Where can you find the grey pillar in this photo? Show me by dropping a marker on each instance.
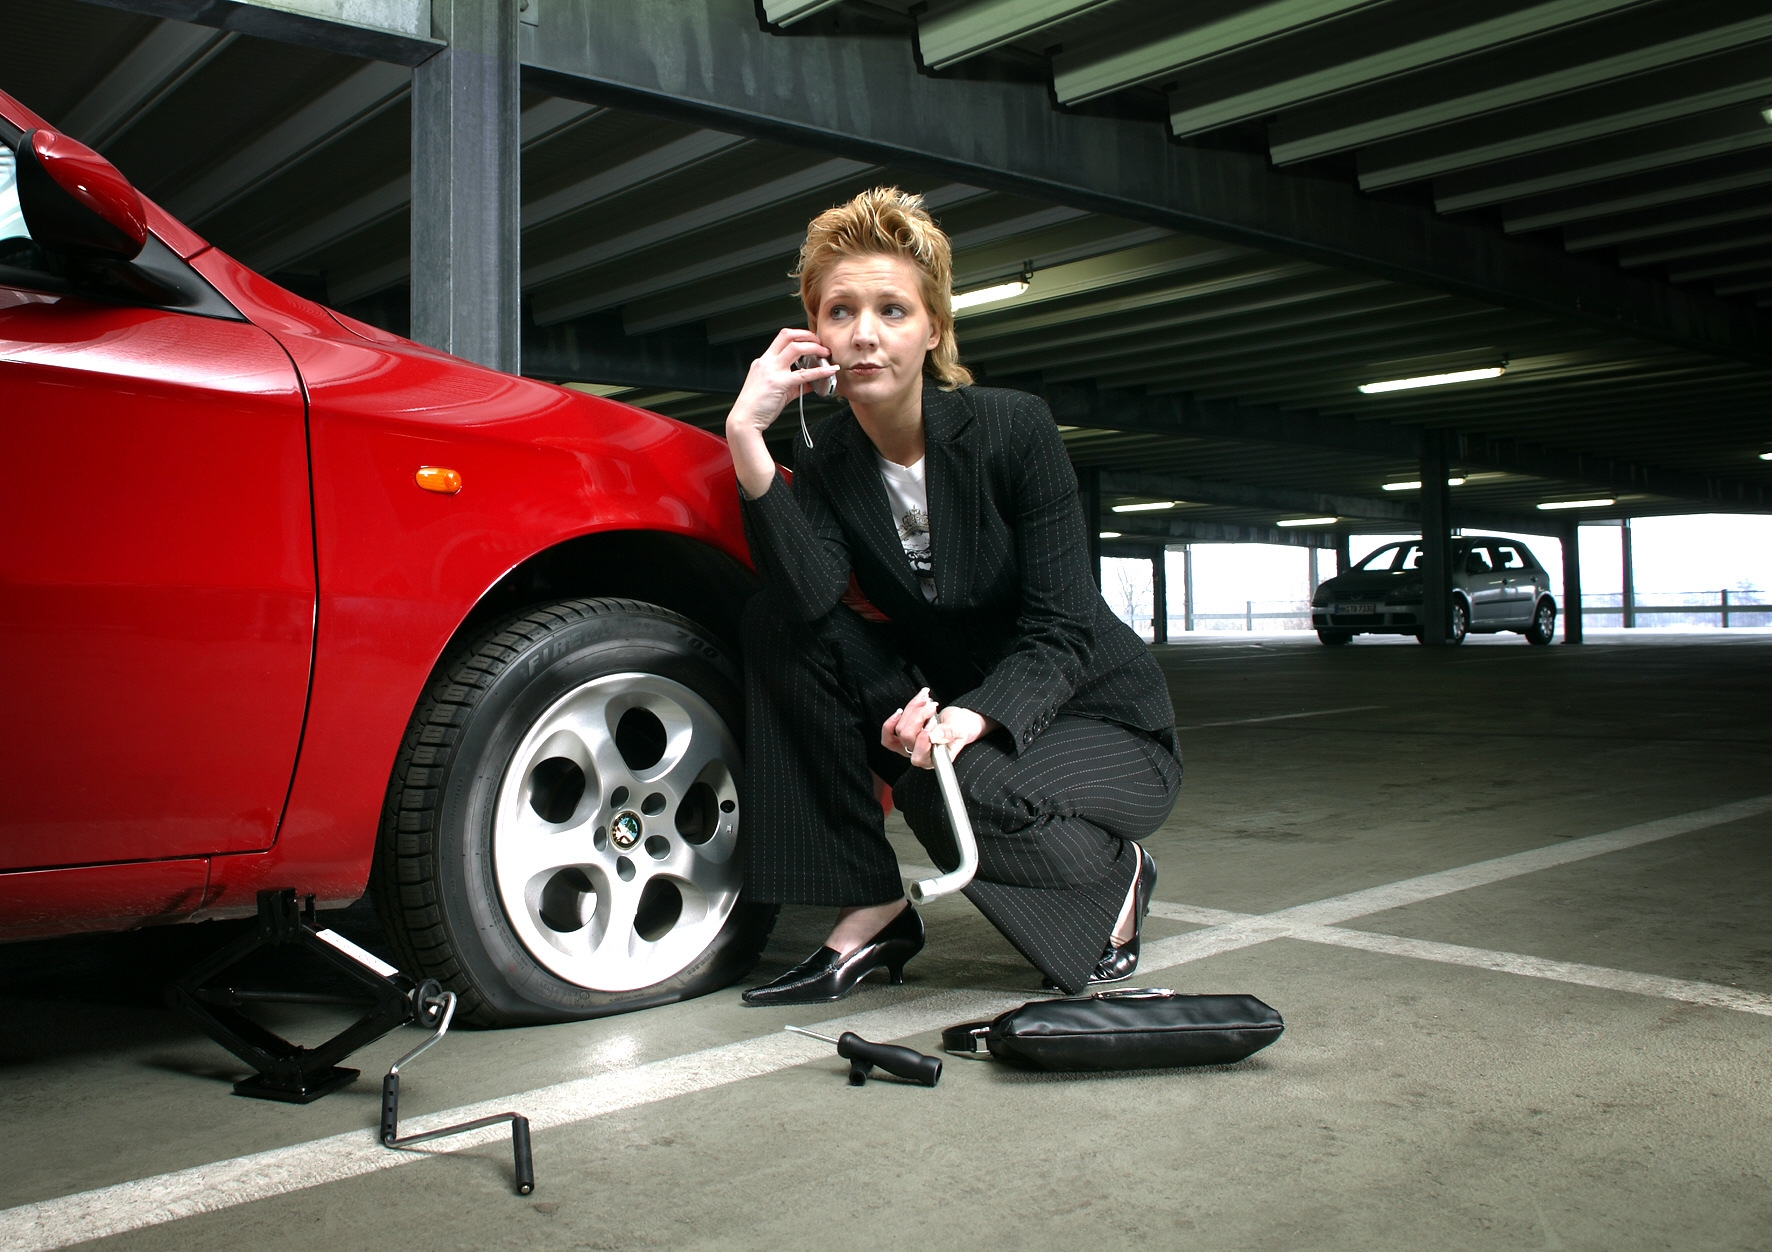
(1187, 586)
(1091, 495)
(1572, 615)
(1160, 596)
(1344, 554)
(1436, 577)
(466, 185)
(1630, 575)
(1311, 571)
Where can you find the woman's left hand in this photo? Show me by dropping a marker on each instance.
(954, 726)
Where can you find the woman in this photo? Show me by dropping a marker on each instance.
(953, 510)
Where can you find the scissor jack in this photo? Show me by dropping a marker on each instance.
(288, 1071)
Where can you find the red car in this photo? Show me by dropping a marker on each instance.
(288, 601)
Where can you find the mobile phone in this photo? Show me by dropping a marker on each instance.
(826, 387)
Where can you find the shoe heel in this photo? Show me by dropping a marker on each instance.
(895, 977)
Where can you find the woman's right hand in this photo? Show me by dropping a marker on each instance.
(768, 388)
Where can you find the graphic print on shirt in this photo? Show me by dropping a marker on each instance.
(913, 533)
(908, 497)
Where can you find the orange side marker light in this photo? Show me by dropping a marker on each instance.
(445, 482)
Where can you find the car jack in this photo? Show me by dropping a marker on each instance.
(284, 1070)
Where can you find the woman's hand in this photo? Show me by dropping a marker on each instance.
(913, 729)
(768, 388)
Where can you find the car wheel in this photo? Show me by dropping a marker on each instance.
(1335, 638)
(1458, 623)
(1544, 623)
(560, 837)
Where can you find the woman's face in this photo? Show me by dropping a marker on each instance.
(871, 317)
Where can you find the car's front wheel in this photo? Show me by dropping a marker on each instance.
(1458, 622)
(1335, 638)
(1544, 623)
(560, 838)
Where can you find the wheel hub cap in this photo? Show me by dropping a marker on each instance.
(615, 829)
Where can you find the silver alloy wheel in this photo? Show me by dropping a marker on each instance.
(614, 832)
(1546, 619)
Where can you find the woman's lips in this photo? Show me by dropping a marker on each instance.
(865, 370)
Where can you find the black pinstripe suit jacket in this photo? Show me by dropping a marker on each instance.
(1018, 630)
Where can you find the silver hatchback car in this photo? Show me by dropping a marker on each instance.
(1497, 585)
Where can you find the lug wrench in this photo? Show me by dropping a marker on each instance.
(863, 1056)
(442, 1006)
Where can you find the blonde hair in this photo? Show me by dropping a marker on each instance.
(888, 222)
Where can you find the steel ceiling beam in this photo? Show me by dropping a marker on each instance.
(968, 30)
(661, 162)
(147, 74)
(1107, 409)
(1753, 205)
(1689, 90)
(865, 99)
(1651, 190)
(336, 112)
(1563, 65)
(1186, 530)
(1651, 149)
(1211, 102)
(1344, 508)
(1125, 58)
(540, 123)
(403, 40)
(802, 182)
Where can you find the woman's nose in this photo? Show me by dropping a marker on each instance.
(867, 329)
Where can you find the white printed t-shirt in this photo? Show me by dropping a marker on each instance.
(909, 498)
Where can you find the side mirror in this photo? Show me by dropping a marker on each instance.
(74, 200)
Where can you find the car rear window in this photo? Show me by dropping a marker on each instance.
(1507, 556)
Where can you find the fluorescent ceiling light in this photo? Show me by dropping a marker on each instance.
(1432, 380)
(1767, 115)
(1766, 456)
(1110, 534)
(1306, 521)
(1416, 486)
(1576, 504)
(990, 295)
(1153, 507)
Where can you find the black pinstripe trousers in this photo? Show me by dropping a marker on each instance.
(1053, 824)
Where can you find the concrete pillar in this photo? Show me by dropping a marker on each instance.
(1344, 555)
(1187, 586)
(1630, 575)
(1091, 496)
(1572, 615)
(1311, 572)
(466, 185)
(1160, 596)
(1436, 575)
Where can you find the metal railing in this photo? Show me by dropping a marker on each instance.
(1696, 608)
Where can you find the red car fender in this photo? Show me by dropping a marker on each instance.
(400, 567)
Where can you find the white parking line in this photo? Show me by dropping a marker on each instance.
(1283, 717)
(70, 1219)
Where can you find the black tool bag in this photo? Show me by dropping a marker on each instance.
(1150, 1029)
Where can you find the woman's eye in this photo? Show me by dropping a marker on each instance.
(838, 312)
(893, 310)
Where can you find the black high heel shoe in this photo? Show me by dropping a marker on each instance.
(1119, 963)
(825, 976)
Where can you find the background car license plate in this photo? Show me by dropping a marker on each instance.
(1356, 608)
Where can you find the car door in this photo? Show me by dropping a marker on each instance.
(157, 584)
(1519, 591)
(1483, 586)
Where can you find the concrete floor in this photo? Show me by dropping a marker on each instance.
(1415, 1101)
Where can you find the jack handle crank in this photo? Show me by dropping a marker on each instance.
(432, 1004)
(929, 888)
(863, 1056)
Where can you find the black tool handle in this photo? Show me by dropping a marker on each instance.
(902, 1062)
(390, 1108)
(520, 1151)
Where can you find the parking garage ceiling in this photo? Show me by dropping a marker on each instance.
(1349, 191)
